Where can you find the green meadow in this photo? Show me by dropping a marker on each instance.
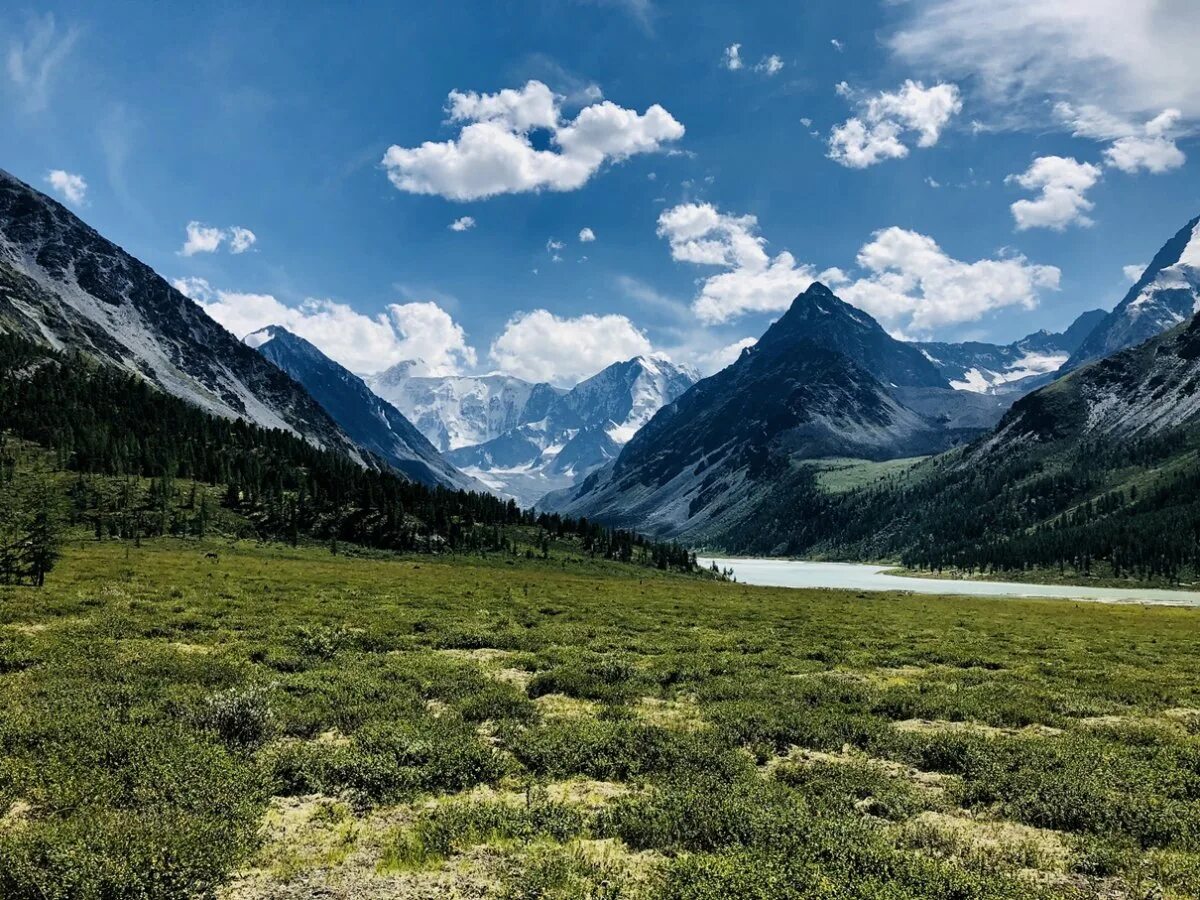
(216, 719)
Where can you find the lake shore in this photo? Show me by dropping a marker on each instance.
(784, 573)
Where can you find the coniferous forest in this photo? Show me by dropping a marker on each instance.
(99, 423)
(1131, 506)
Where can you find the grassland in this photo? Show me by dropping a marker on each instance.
(840, 475)
(286, 723)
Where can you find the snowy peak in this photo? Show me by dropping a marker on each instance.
(626, 395)
(462, 410)
(578, 431)
(1167, 294)
(1009, 369)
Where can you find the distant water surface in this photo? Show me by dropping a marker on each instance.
(791, 573)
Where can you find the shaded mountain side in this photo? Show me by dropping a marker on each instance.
(1102, 467)
(372, 423)
(65, 286)
(706, 460)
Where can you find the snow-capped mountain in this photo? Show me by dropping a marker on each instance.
(582, 430)
(1015, 368)
(64, 284)
(825, 380)
(460, 411)
(371, 422)
(1167, 294)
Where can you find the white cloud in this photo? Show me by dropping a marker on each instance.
(407, 331)
(907, 280)
(1150, 146)
(586, 235)
(203, 238)
(732, 57)
(837, 45)
(912, 283)
(465, 223)
(1130, 57)
(1062, 181)
(699, 233)
(857, 145)
(770, 64)
(1154, 154)
(428, 334)
(1134, 272)
(32, 63)
(494, 152)
(73, 188)
(240, 239)
(875, 133)
(541, 346)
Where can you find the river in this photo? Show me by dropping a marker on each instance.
(792, 573)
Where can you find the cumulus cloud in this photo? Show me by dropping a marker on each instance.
(771, 65)
(1062, 183)
(732, 57)
(1150, 147)
(406, 331)
(755, 281)
(1134, 272)
(465, 223)
(32, 63)
(240, 239)
(494, 152)
(1153, 149)
(71, 187)
(906, 280)
(911, 283)
(203, 238)
(586, 235)
(1130, 57)
(875, 134)
(541, 346)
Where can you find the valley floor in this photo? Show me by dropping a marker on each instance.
(184, 719)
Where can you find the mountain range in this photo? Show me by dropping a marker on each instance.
(580, 430)
(825, 380)
(1096, 456)
(456, 411)
(1015, 368)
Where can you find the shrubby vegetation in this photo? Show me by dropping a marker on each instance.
(578, 729)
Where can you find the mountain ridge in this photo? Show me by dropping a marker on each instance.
(65, 285)
(368, 420)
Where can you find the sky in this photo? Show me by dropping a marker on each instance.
(546, 187)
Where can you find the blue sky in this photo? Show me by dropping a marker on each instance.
(959, 168)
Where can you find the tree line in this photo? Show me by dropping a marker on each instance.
(131, 445)
(1068, 505)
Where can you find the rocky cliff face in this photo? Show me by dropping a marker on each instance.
(63, 284)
